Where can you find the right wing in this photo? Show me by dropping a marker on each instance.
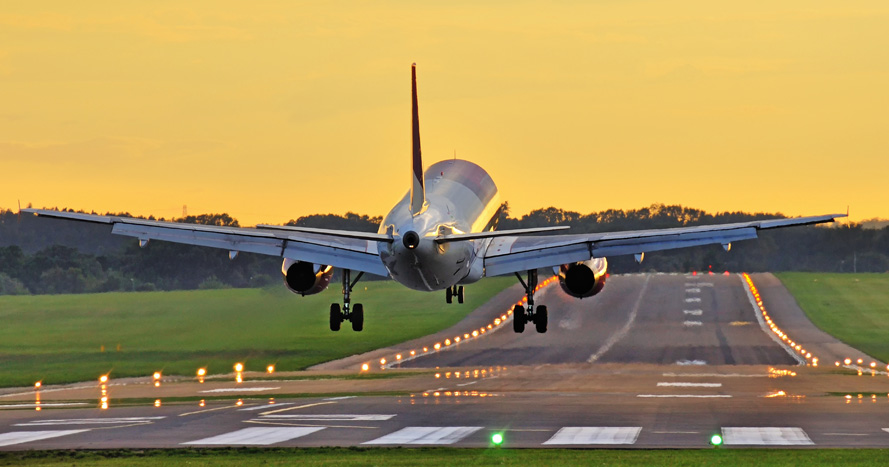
(341, 249)
(512, 254)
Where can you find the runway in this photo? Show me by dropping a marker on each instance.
(655, 361)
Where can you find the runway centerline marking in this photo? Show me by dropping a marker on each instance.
(711, 375)
(772, 436)
(19, 437)
(298, 407)
(693, 290)
(426, 435)
(237, 390)
(691, 385)
(693, 312)
(586, 435)
(210, 410)
(667, 432)
(264, 422)
(691, 362)
(685, 396)
(693, 300)
(623, 331)
(692, 323)
(257, 436)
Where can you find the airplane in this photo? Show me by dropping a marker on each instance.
(440, 236)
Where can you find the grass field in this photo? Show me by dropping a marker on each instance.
(449, 457)
(67, 338)
(851, 307)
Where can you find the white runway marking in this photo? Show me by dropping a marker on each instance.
(691, 362)
(693, 312)
(19, 437)
(91, 421)
(712, 375)
(692, 323)
(42, 404)
(693, 300)
(257, 436)
(692, 385)
(771, 436)
(685, 396)
(886, 430)
(595, 435)
(693, 290)
(341, 398)
(332, 417)
(426, 435)
(267, 406)
(699, 284)
(623, 331)
(238, 390)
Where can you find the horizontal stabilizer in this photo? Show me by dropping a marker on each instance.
(498, 233)
(333, 233)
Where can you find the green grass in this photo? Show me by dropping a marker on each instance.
(851, 307)
(68, 338)
(449, 457)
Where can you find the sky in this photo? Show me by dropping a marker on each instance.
(274, 110)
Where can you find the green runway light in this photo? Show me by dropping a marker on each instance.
(716, 440)
(497, 439)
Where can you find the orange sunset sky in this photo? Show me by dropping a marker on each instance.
(273, 110)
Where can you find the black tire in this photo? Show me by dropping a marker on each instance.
(449, 295)
(336, 317)
(518, 319)
(357, 317)
(540, 319)
(460, 294)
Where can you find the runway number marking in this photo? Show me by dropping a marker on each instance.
(19, 437)
(691, 385)
(426, 435)
(771, 436)
(257, 436)
(587, 435)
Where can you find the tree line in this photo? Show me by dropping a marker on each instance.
(55, 256)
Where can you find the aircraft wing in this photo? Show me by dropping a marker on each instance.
(339, 249)
(521, 253)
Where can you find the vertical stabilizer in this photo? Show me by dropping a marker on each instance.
(418, 189)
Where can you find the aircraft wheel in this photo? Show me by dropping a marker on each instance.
(336, 317)
(460, 294)
(540, 319)
(449, 295)
(357, 317)
(518, 319)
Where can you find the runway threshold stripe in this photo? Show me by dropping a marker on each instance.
(426, 435)
(19, 437)
(692, 385)
(599, 435)
(765, 436)
(259, 436)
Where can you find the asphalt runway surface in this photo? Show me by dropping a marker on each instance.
(655, 361)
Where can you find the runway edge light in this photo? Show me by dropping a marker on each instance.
(716, 440)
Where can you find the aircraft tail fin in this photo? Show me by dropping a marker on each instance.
(418, 188)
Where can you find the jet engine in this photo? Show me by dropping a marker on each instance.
(306, 278)
(583, 279)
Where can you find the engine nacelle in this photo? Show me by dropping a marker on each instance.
(583, 279)
(306, 278)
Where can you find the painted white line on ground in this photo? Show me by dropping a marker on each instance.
(693, 312)
(712, 375)
(341, 398)
(257, 436)
(468, 384)
(19, 437)
(238, 390)
(298, 407)
(699, 284)
(693, 300)
(886, 430)
(587, 435)
(677, 432)
(426, 435)
(42, 404)
(691, 362)
(623, 331)
(266, 406)
(685, 396)
(91, 421)
(332, 417)
(771, 436)
(692, 385)
(693, 290)
(692, 323)
(845, 434)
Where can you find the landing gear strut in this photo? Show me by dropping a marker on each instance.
(454, 291)
(355, 314)
(520, 315)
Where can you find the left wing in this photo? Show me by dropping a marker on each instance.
(341, 249)
(512, 254)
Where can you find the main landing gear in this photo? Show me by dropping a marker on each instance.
(355, 314)
(520, 316)
(454, 291)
